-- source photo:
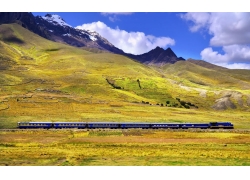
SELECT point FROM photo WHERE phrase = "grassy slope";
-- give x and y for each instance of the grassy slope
(48, 81)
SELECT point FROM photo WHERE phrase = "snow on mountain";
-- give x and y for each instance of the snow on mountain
(67, 34)
(55, 19)
(93, 38)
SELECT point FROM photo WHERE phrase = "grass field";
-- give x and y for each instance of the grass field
(124, 148)
(41, 80)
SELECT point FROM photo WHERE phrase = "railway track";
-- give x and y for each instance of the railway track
(138, 129)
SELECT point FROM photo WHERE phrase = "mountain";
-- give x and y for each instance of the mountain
(157, 56)
(54, 28)
(206, 64)
(26, 20)
(49, 81)
(60, 31)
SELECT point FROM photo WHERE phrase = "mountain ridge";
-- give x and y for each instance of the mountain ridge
(44, 79)
(54, 28)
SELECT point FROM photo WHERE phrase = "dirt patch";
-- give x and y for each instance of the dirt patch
(203, 93)
(238, 97)
(223, 104)
(185, 87)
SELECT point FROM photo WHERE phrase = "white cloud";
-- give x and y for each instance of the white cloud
(129, 42)
(113, 16)
(199, 20)
(237, 66)
(230, 28)
(226, 28)
(237, 56)
(231, 31)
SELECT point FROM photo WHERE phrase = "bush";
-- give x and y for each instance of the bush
(183, 103)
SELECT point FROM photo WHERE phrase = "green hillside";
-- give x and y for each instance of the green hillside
(47, 81)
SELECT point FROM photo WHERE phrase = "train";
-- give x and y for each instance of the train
(123, 125)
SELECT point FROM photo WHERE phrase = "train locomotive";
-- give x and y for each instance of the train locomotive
(123, 125)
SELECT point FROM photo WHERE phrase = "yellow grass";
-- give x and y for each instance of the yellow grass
(129, 147)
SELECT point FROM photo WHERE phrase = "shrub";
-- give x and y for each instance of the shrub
(183, 103)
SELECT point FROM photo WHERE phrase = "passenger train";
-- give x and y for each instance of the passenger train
(123, 125)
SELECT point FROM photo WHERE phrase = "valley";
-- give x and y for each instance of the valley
(42, 80)
(51, 81)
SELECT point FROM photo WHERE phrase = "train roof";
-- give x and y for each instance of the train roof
(104, 122)
(35, 122)
(69, 122)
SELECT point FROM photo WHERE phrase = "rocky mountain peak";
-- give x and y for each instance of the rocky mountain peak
(54, 27)
(55, 19)
(157, 56)
(158, 48)
(170, 52)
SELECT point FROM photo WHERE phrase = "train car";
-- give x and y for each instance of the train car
(221, 125)
(79, 125)
(110, 125)
(195, 125)
(135, 125)
(34, 125)
(165, 125)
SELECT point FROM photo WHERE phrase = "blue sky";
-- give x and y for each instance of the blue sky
(186, 43)
(218, 38)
